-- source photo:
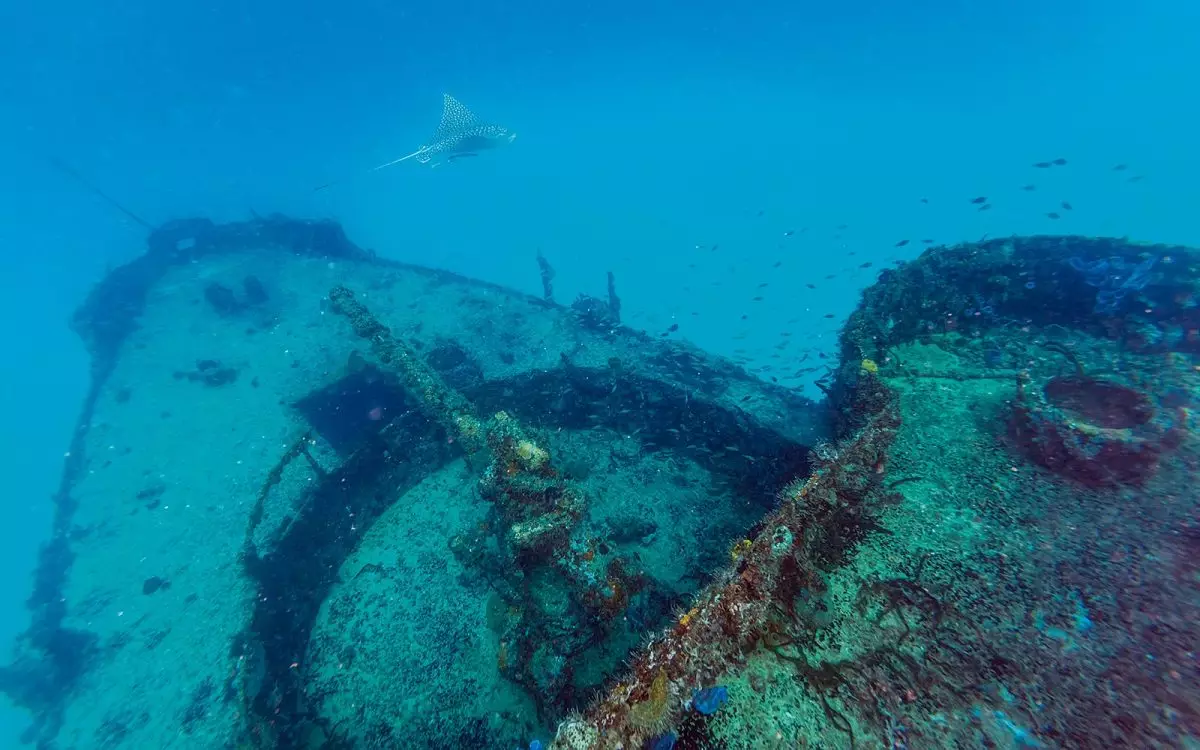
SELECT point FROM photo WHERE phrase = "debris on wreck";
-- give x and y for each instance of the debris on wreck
(614, 302)
(1097, 430)
(539, 510)
(547, 273)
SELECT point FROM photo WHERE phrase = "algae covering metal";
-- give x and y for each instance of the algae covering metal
(1000, 549)
(266, 536)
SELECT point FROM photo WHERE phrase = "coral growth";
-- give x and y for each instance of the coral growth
(575, 734)
(652, 713)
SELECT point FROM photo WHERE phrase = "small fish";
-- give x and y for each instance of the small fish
(763, 285)
(811, 286)
(757, 299)
(777, 264)
(714, 248)
(1053, 215)
(831, 276)
(829, 315)
(1120, 168)
(674, 327)
(840, 227)
(924, 200)
(980, 199)
(927, 242)
(1059, 162)
(1043, 165)
(789, 233)
(868, 264)
(1136, 178)
(760, 213)
(1029, 188)
(901, 243)
(1066, 206)
(985, 207)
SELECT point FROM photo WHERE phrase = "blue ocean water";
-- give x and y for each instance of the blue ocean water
(697, 151)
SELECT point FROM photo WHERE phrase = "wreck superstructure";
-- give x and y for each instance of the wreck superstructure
(314, 492)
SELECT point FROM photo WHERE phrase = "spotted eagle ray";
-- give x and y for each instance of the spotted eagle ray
(461, 134)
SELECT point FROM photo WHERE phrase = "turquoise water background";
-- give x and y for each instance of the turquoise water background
(647, 133)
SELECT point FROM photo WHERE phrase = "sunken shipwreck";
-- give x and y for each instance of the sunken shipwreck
(319, 499)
